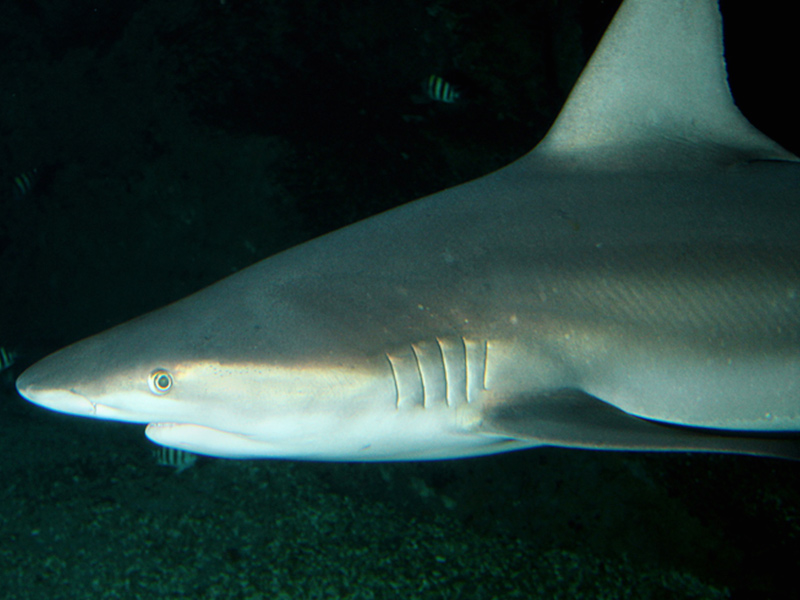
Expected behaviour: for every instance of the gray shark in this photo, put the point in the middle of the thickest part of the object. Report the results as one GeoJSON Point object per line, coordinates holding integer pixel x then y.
{"type": "Point", "coordinates": [632, 283]}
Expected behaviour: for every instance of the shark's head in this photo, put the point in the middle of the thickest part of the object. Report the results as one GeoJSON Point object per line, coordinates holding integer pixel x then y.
{"type": "Point", "coordinates": [226, 373]}
{"type": "Point", "coordinates": [208, 384]}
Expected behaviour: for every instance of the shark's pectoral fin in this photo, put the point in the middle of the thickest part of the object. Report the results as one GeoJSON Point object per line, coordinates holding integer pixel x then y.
{"type": "Point", "coordinates": [575, 419]}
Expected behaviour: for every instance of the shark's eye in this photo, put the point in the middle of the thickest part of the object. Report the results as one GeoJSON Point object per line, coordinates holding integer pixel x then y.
{"type": "Point", "coordinates": [160, 381]}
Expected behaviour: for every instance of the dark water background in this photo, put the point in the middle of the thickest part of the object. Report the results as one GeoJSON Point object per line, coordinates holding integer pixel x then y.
{"type": "Point", "coordinates": [177, 142]}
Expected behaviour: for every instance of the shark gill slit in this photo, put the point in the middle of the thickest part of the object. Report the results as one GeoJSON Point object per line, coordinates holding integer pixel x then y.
{"type": "Point", "coordinates": [416, 351]}
{"type": "Point", "coordinates": [447, 390]}
{"type": "Point", "coordinates": [454, 358]}
{"type": "Point", "coordinates": [445, 381]}
{"type": "Point", "coordinates": [432, 370]}
{"type": "Point", "coordinates": [450, 372]}
{"type": "Point", "coordinates": [485, 364]}
{"type": "Point", "coordinates": [394, 378]}
{"type": "Point", "coordinates": [466, 368]}
{"type": "Point", "coordinates": [475, 367]}
{"type": "Point", "coordinates": [408, 366]}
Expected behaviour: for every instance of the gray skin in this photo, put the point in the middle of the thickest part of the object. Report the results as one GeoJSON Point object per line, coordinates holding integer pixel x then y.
{"type": "Point", "coordinates": [632, 283]}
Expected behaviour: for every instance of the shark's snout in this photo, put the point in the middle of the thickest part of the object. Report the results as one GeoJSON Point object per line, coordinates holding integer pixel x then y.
{"type": "Point", "coordinates": [32, 385]}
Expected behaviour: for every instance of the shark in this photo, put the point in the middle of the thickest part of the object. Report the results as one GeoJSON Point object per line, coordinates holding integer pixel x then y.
{"type": "Point", "coordinates": [632, 283]}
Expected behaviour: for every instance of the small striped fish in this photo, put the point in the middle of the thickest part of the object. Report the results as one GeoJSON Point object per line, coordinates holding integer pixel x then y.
{"type": "Point", "coordinates": [438, 90]}
{"type": "Point", "coordinates": [7, 358]}
{"type": "Point", "coordinates": [24, 183]}
{"type": "Point", "coordinates": [180, 460]}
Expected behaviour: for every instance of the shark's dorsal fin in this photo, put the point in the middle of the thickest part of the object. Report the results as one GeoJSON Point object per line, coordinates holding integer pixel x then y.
{"type": "Point", "coordinates": [655, 96]}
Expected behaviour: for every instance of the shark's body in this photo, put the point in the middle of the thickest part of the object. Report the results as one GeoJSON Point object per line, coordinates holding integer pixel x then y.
{"type": "Point", "coordinates": [632, 283]}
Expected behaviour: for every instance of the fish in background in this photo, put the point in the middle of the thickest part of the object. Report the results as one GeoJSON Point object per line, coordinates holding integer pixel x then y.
{"type": "Point", "coordinates": [24, 184]}
{"type": "Point", "coordinates": [439, 90]}
{"type": "Point", "coordinates": [35, 182]}
{"type": "Point", "coordinates": [7, 360]}
{"type": "Point", "coordinates": [180, 460]}
{"type": "Point", "coordinates": [436, 89]}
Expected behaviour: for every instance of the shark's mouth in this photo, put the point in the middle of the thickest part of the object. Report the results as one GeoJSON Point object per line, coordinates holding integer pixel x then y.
{"type": "Point", "coordinates": [64, 401]}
